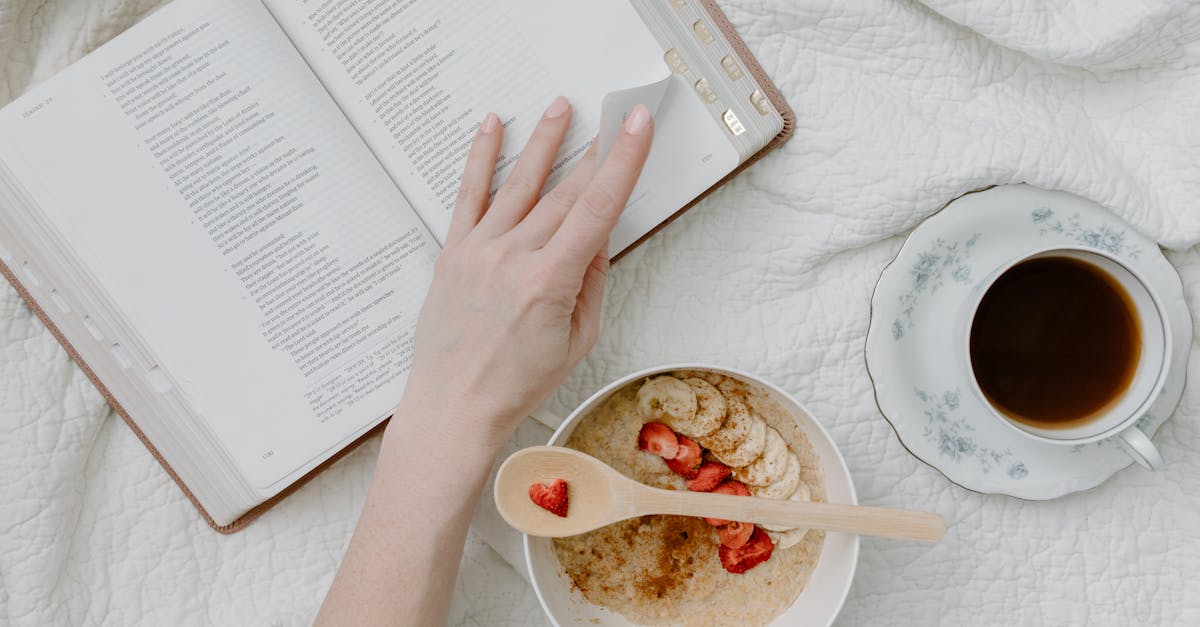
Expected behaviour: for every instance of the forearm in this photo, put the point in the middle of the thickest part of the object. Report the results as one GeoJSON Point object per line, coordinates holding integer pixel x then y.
{"type": "Point", "coordinates": [403, 559]}
{"type": "Point", "coordinates": [514, 304]}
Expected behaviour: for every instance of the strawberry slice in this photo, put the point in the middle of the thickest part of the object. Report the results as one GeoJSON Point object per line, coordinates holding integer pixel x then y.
{"type": "Point", "coordinates": [753, 553]}
{"type": "Point", "coordinates": [736, 488]}
{"type": "Point", "coordinates": [687, 459]}
{"type": "Point", "coordinates": [551, 497]}
{"type": "Point", "coordinates": [736, 534]}
{"type": "Point", "coordinates": [708, 476]}
{"type": "Point", "coordinates": [657, 438]}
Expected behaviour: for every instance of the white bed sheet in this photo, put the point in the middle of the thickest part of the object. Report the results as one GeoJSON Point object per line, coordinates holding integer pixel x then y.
{"type": "Point", "coordinates": [901, 107]}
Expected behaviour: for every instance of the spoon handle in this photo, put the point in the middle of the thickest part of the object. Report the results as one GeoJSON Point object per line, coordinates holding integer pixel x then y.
{"type": "Point", "coordinates": [857, 519]}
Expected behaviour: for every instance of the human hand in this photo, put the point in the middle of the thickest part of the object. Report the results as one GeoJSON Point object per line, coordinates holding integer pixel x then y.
{"type": "Point", "coordinates": [516, 297]}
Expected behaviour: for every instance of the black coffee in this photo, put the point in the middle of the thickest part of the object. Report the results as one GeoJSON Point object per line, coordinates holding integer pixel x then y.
{"type": "Point", "coordinates": [1054, 342]}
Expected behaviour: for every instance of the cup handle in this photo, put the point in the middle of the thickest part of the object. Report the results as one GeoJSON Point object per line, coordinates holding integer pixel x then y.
{"type": "Point", "coordinates": [1140, 448]}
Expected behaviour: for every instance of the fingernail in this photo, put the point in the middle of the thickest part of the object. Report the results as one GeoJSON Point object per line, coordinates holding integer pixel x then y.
{"type": "Point", "coordinates": [638, 120]}
{"type": "Point", "coordinates": [490, 123]}
{"type": "Point", "coordinates": [557, 108]}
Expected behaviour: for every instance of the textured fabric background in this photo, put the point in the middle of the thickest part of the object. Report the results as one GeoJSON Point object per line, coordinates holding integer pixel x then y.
{"type": "Point", "coordinates": [902, 106]}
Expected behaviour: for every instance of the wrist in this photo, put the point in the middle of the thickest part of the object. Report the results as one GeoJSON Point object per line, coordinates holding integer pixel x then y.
{"type": "Point", "coordinates": [460, 417]}
{"type": "Point", "coordinates": [460, 426]}
{"type": "Point", "coordinates": [425, 454]}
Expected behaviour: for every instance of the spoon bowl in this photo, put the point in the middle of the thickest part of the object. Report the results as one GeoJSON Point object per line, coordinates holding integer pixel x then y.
{"type": "Point", "coordinates": [591, 491]}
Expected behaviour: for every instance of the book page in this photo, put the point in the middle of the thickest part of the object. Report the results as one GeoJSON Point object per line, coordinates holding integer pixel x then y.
{"type": "Point", "coordinates": [416, 77]}
{"type": "Point", "coordinates": [255, 248]}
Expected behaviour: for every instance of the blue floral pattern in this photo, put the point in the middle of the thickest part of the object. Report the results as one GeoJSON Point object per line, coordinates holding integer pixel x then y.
{"type": "Point", "coordinates": [1102, 236]}
{"type": "Point", "coordinates": [943, 260]}
{"type": "Point", "coordinates": [954, 436]}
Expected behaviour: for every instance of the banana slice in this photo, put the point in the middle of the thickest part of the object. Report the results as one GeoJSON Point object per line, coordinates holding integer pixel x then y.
{"type": "Point", "coordinates": [733, 388]}
{"type": "Point", "coordinates": [667, 400]}
{"type": "Point", "coordinates": [789, 538]}
{"type": "Point", "coordinates": [750, 448]}
{"type": "Point", "coordinates": [785, 486]}
{"type": "Point", "coordinates": [710, 408]}
{"type": "Point", "coordinates": [770, 466]}
{"type": "Point", "coordinates": [802, 494]}
{"type": "Point", "coordinates": [733, 430]}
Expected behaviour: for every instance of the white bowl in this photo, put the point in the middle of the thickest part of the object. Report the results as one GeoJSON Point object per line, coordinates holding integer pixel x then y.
{"type": "Point", "coordinates": [826, 591]}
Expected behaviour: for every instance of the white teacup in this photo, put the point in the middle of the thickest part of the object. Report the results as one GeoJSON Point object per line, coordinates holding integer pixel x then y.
{"type": "Point", "coordinates": [1119, 419]}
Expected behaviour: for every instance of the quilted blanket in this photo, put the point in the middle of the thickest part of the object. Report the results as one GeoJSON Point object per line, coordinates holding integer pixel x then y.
{"type": "Point", "coordinates": [902, 106]}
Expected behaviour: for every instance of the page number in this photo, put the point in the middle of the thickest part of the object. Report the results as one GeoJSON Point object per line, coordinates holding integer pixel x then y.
{"type": "Point", "coordinates": [268, 455]}
{"type": "Point", "coordinates": [31, 111]}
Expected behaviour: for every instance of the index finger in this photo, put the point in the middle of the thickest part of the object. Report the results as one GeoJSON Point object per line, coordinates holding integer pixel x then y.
{"type": "Point", "coordinates": [590, 221]}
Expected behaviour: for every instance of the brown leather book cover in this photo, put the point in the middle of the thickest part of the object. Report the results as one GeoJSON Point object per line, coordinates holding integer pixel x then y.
{"type": "Point", "coordinates": [749, 62]}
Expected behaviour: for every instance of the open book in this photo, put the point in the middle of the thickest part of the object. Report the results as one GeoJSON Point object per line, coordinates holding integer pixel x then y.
{"type": "Point", "coordinates": [229, 214]}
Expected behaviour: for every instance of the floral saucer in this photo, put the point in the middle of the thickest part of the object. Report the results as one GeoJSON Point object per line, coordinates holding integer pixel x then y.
{"type": "Point", "coordinates": [922, 387]}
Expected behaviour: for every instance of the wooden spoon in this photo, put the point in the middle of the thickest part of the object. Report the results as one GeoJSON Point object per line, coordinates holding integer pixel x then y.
{"type": "Point", "coordinates": [600, 496]}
